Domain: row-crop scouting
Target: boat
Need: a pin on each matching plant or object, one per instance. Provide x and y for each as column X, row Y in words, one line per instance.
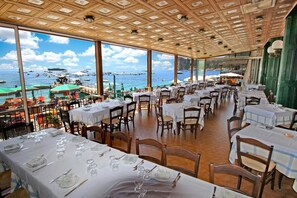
column 56, row 69
column 36, row 75
column 179, row 72
column 2, row 81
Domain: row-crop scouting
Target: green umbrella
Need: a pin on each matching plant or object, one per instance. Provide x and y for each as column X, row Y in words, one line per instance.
column 42, row 86
column 65, row 87
column 7, row 91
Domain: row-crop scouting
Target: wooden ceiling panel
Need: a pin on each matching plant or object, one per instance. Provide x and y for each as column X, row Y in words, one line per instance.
column 208, row 22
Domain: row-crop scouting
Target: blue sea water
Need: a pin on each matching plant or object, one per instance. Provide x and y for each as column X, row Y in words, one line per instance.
column 129, row 81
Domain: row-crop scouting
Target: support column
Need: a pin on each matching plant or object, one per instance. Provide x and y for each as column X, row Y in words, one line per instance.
column 191, row 70
column 149, row 70
column 175, row 69
column 99, row 68
column 287, row 81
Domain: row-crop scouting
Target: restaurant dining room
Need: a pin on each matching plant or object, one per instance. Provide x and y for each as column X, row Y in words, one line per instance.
column 148, row 98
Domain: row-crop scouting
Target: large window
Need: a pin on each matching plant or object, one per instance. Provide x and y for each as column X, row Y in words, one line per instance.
column 184, row 69
column 126, row 66
column 162, row 69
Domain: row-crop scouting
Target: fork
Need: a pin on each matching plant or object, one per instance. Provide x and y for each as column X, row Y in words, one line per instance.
column 101, row 154
column 214, row 192
column 118, row 158
column 135, row 167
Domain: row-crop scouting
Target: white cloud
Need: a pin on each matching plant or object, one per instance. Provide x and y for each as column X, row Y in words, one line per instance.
column 7, row 66
column 58, row 39
column 89, row 52
column 28, row 39
column 106, row 52
column 35, row 68
column 165, row 57
column 116, row 48
column 71, row 61
column 51, row 57
column 162, row 64
column 69, row 53
column 129, row 52
column 131, row 60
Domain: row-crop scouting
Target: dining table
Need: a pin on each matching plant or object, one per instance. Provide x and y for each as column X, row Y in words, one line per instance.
column 191, row 99
column 251, row 93
column 267, row 114
column 89, row 169
column 284, row 142
column 176, row 111
column 150, row 93
column 94, row 113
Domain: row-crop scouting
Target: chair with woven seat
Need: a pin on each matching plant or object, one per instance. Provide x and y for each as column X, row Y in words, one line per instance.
column 224, row 93
column 233, row 126
column 130, row 114
column 17, row 129
column 205, row 102
column 191, row 119
column 252, row 100
column 165, row 122
column 215, row 97
column 239, row 172
column 121, row 141
column 73, row 104
column 260, row 164
column 293, row 124
column 114, row 120
column 154, row 145
column 97, row 133
column 128, row 98
column 171, row 156
column 171, row 100
column 180, row 94
column 144, row 103
column 164, row 95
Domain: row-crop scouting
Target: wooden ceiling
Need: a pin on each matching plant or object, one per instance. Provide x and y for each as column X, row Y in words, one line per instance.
column 212, row 28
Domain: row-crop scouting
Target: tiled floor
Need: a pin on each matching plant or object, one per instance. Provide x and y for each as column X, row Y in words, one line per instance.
column 212, row 143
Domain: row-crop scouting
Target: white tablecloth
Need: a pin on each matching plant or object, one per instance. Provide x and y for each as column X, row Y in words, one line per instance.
column 267, row 114
column 96, row 186
column 258, row 94
column 195, row 99
column 254, row 86
column 97, row 112
column 284, row 152
column 176, row 111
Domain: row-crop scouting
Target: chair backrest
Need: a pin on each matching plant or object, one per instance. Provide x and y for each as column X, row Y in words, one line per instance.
column 124, row 138
column 116, row 113
column 191, row 115
column 209, row 84
column 128, row 98
column 73, row 104
column 164, row 95
column 214, row 94
column 99, row 134
column 131, row 107
column 188, row 158
column 237, row 171
column 145, row 98
column 205, row 100
column 201, row 86
column 233, row 126
column 171, row 100
column 294, row 120
column 17, row 129
column 152, row 144
column 244, row 156
column 252, row 100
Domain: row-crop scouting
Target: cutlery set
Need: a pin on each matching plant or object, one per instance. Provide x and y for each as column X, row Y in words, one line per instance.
column 101, row 154
column 136, row 166
column 176, row 180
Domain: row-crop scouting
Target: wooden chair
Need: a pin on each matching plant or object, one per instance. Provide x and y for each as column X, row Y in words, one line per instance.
column 185, row 156
column 73, row 105
column 224, row 93
column 252, row 100
column 72, row 127
column 165, row 122
column 124, row 139
column 193, row 88
column 292, row 125
column 180, row 94
column 155, row 146
column 114, row 120
column 201, row 86
column 255, row 163
column 239, row 172
column 144, row 103
column 99, row 134
column 205, row 102
column 130, row 114
column 233, row 126
column 128, row 98
column 191, row 119
column 215, row 97
column 171, row 100
column 209, row 84
column 235, row 99
column 17, row 129
column 164, row 95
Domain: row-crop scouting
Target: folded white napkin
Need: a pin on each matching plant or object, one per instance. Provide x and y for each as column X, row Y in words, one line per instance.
column 55, row 133
column 37, row 161
column 12, row 148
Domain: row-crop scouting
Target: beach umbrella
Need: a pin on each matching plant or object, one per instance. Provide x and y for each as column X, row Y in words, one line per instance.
column 65, row 87
column 230, row 74
column 28, row 88
column 7, row 91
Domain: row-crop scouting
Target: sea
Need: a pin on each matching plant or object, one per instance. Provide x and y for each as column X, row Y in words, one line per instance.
column 129, row 81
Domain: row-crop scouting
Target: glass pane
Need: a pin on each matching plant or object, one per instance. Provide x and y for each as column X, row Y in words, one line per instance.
column 162, row 69
column 184, row 69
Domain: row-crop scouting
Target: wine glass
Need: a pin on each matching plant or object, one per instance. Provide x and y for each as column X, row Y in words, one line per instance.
column 138, row 185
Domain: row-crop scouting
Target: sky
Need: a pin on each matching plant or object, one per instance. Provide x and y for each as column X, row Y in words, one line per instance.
column 42, row 51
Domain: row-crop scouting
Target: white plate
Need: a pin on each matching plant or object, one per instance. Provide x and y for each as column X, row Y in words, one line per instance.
column 36, row 162
column 130, row 159
column 78, row 139
column 13, row 148
column 68, row 180
column 162, row 174
column 98, row 147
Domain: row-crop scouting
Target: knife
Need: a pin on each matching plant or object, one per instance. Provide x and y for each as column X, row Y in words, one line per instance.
column 43, row 166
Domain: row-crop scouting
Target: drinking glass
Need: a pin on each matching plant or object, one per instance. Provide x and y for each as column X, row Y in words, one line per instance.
column 78, row 151
column 93, row 169
column 89, row 163
column 111, row 160
column 138, row 185
column 140, row 171
column 146, row 174
column 115, row 165
column 142, row 192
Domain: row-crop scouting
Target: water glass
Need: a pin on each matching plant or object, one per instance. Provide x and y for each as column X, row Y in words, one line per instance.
column 115, row 165
column 93, row 169
column 140, row 171
column 146, row 174
column 111, row 160
column 89, row 163
column 142, row 192
column 138, row 185
column 78, row 151
column 60, row 153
